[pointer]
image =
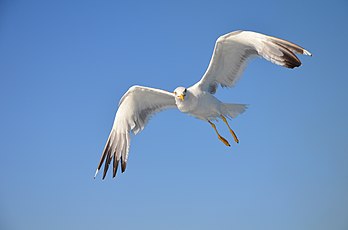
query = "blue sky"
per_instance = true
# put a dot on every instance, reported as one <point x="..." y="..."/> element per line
<point x="65" y="64"/>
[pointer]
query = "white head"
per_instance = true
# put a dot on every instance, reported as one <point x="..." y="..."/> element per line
<point x="180" y="93"/>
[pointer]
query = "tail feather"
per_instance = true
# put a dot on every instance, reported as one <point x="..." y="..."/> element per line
<point x="233" y="110"/>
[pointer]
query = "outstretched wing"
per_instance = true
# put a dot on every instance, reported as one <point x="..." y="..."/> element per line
<point x="233" y="50"/>
<point x="135" y="109"/>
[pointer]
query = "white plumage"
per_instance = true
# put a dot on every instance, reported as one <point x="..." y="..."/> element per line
<point x="231" y="54"/>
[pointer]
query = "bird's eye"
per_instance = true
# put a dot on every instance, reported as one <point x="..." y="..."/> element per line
<point x="174" y="93"/>
<point x="185" y="90"/>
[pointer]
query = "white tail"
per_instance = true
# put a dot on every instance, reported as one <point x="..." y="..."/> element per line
<point x="233" y="110"/>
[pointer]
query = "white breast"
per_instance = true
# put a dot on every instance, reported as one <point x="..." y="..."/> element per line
<point x="188" y="105"/>
<point x="203" y="106"/>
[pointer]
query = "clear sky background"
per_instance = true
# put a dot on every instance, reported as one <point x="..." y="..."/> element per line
<point x="64" y="65"/>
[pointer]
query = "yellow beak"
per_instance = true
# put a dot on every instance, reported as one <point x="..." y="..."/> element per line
<point x="182" y="97"/>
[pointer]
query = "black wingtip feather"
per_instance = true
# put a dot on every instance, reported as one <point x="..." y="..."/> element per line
<point x="115" y="164"/>
<point x="104" y="153"/>
<point x="107" y="163"/>
<point x="123" y="165"/>
<point x="290" y="59"/>
<point x="289" y="63"/>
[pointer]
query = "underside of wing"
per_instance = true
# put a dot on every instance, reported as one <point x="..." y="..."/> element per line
<point x="233" y="51"/>
<point x="136" y="107"/>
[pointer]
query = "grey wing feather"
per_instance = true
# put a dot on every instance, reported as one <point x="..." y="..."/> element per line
<point x="136" y="107"/>
<point x="232" y="52"/>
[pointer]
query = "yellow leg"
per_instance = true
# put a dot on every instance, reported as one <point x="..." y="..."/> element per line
<point x="231" y="131"/>
<point x="219" y="136"/>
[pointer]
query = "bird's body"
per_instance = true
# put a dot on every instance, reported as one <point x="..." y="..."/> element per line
<point x="205" y="106"/>
<point x="231" y="54"/>
<point x="197" y="103"/>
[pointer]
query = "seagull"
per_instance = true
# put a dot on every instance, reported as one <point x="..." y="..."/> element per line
<point x="231" y="54"/>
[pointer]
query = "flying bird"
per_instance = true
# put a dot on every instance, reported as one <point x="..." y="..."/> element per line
<point x="231" y="54"/>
